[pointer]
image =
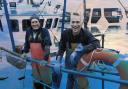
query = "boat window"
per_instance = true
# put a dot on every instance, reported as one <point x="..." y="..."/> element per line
<point x="26" y="24"/>
<point x="42" y="22"/>
<point x="1" y="28"/>
<point x="15" y="25"/>
<point x="67" y="17"/>
<point x="0" y="7"/>
<point x="87" y="14"/>
<point x="96" y="14"/>
<point x="112" y="15"/>
<point x="127" y="25"/>
<point x="60" y="23"/>
<point x="1" y="4"/>
<point x="55" y="22"/>
<point x="12" y="4"/>
<point x="126" y="13"/>
<point x="48" y="23"/>
<point x="113" y="29"/>
<point x="95" y="30"/>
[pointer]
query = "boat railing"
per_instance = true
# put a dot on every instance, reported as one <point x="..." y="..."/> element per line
<point x="102" y="38"/>
<point x="65" y="72"/>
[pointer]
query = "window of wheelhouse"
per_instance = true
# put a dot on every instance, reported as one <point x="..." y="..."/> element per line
<point x="87" y="14"/>
<point x="0" y="7"/>
<point x="96" y="14"/>
<point x="95" y="30"/>
<point x="127" y="26"/>
<point x="55" y="22"/>
<point x="42" y="22"/>
<point x="112" y="15"/>
<point x="1" y="27"/>
<point x="15" y="25"/>
<point x="26" y="24"/>
<point x="48" y="23"/>
<point x="126" y="13"/>
<point x="113" y="29"/>
<point x="1" y="4"/>
<point x="67" y="17"/>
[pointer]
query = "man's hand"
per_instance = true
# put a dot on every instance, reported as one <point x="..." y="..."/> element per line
<point x="59" y="59"/>
<point x="46" y="53"/>
<point x="76" y="55"/>
<point x="72" y="58"/>
<point x="79" y="48"/>
<point x="24" y="55"/>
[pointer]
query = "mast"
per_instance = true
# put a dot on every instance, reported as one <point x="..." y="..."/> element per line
<point x="8" y="24"/>
<point x="84" y="7"/>
<point x="63" y="18"/>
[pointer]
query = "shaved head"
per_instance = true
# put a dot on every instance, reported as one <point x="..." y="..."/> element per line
<point x="76" y="23"/>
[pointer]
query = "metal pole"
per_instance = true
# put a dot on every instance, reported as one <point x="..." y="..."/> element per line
<point x="94" y="76"/>
<point x="9" y="25"/>
<point x="84" y="7"/>
<point x="63" y="18"/>
<point x="45" y="63"/>
<point x="103" y="40"/>
<point x="102" y="37"/>
<point x="1" y="27"/>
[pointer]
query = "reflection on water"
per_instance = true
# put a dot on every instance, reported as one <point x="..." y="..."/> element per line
<point x="95" y="30"/>
<point x="113" y="29"/>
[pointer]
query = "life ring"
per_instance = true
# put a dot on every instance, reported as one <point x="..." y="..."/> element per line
<point x="110" y="57"/>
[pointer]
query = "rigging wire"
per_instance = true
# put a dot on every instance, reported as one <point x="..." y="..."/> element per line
<point x="121" y="3"/>
<point x="40" y="14"/>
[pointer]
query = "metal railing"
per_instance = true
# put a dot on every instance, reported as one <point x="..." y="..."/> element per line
<point x="67" y="71"/>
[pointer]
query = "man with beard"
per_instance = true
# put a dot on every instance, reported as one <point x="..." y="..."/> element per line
<point x="76" y="41"/>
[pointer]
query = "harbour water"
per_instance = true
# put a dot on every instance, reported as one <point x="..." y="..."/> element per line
<point x="116" y="39"/>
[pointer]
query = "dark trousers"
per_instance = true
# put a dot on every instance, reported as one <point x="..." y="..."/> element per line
<point x="71" y="77"/>
<point x="56" y="79"/>
<point x="40" y="86"/>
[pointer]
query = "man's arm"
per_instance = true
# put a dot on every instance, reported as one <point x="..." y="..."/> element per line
<point x="80" y="50"/>
<point x="62" y="44"/>
<point x="93" y="43"/>
<point x="47" y="43"/>
<point x="26" y="44"/>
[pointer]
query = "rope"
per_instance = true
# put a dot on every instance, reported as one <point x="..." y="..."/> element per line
<point x="43" y="17"/>
<point x="87" y="64"/>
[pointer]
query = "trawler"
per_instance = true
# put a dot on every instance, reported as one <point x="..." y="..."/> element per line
<point x="100" y="75"/>
<point x="102" y="15"/>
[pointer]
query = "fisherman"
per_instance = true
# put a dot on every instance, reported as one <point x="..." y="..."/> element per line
<point x="76" y="41"/>
<point x="38" y="42"/>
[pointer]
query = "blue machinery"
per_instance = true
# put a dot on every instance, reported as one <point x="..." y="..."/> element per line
<point x="65" y="72"/>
